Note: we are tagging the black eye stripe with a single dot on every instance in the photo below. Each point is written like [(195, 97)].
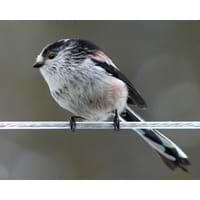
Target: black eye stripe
[(76, 46), (54, 47)]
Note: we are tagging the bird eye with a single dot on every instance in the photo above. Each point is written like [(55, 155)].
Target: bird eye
[(51, 55)]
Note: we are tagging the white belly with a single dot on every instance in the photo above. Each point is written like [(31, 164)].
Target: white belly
[(95, 102)]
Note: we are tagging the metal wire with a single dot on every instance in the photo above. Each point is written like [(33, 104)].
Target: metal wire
[(38, 125)]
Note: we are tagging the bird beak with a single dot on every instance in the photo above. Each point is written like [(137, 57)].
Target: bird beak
[(38, 64)]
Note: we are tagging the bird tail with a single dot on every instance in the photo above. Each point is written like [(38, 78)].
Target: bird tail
[(170, 153)]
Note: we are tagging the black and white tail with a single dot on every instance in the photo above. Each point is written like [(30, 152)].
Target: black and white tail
[(170, 153)]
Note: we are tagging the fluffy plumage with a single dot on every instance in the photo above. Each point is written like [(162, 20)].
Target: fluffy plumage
[(84, 81)]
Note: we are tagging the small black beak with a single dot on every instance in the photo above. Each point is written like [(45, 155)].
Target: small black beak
[(38, 64)]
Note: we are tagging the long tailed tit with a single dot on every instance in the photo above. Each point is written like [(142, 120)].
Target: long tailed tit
[(83, 80)]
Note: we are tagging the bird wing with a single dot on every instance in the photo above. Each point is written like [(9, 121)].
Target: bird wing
[(106, 63)]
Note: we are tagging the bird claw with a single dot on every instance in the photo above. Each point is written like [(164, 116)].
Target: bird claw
[(116, 121), (72, 122)]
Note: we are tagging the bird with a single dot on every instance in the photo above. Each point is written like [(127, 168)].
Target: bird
[(83, 80)]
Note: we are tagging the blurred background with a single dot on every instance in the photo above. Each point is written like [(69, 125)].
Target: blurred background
[(161, 58)]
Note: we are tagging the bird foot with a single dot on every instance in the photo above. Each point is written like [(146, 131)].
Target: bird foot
[(72, 122), (116, 121)]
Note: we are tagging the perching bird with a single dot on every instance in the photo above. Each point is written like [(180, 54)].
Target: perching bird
[(83, 80)]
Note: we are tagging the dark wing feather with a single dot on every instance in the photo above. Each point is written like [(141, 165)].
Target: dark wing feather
[(102, 60)]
